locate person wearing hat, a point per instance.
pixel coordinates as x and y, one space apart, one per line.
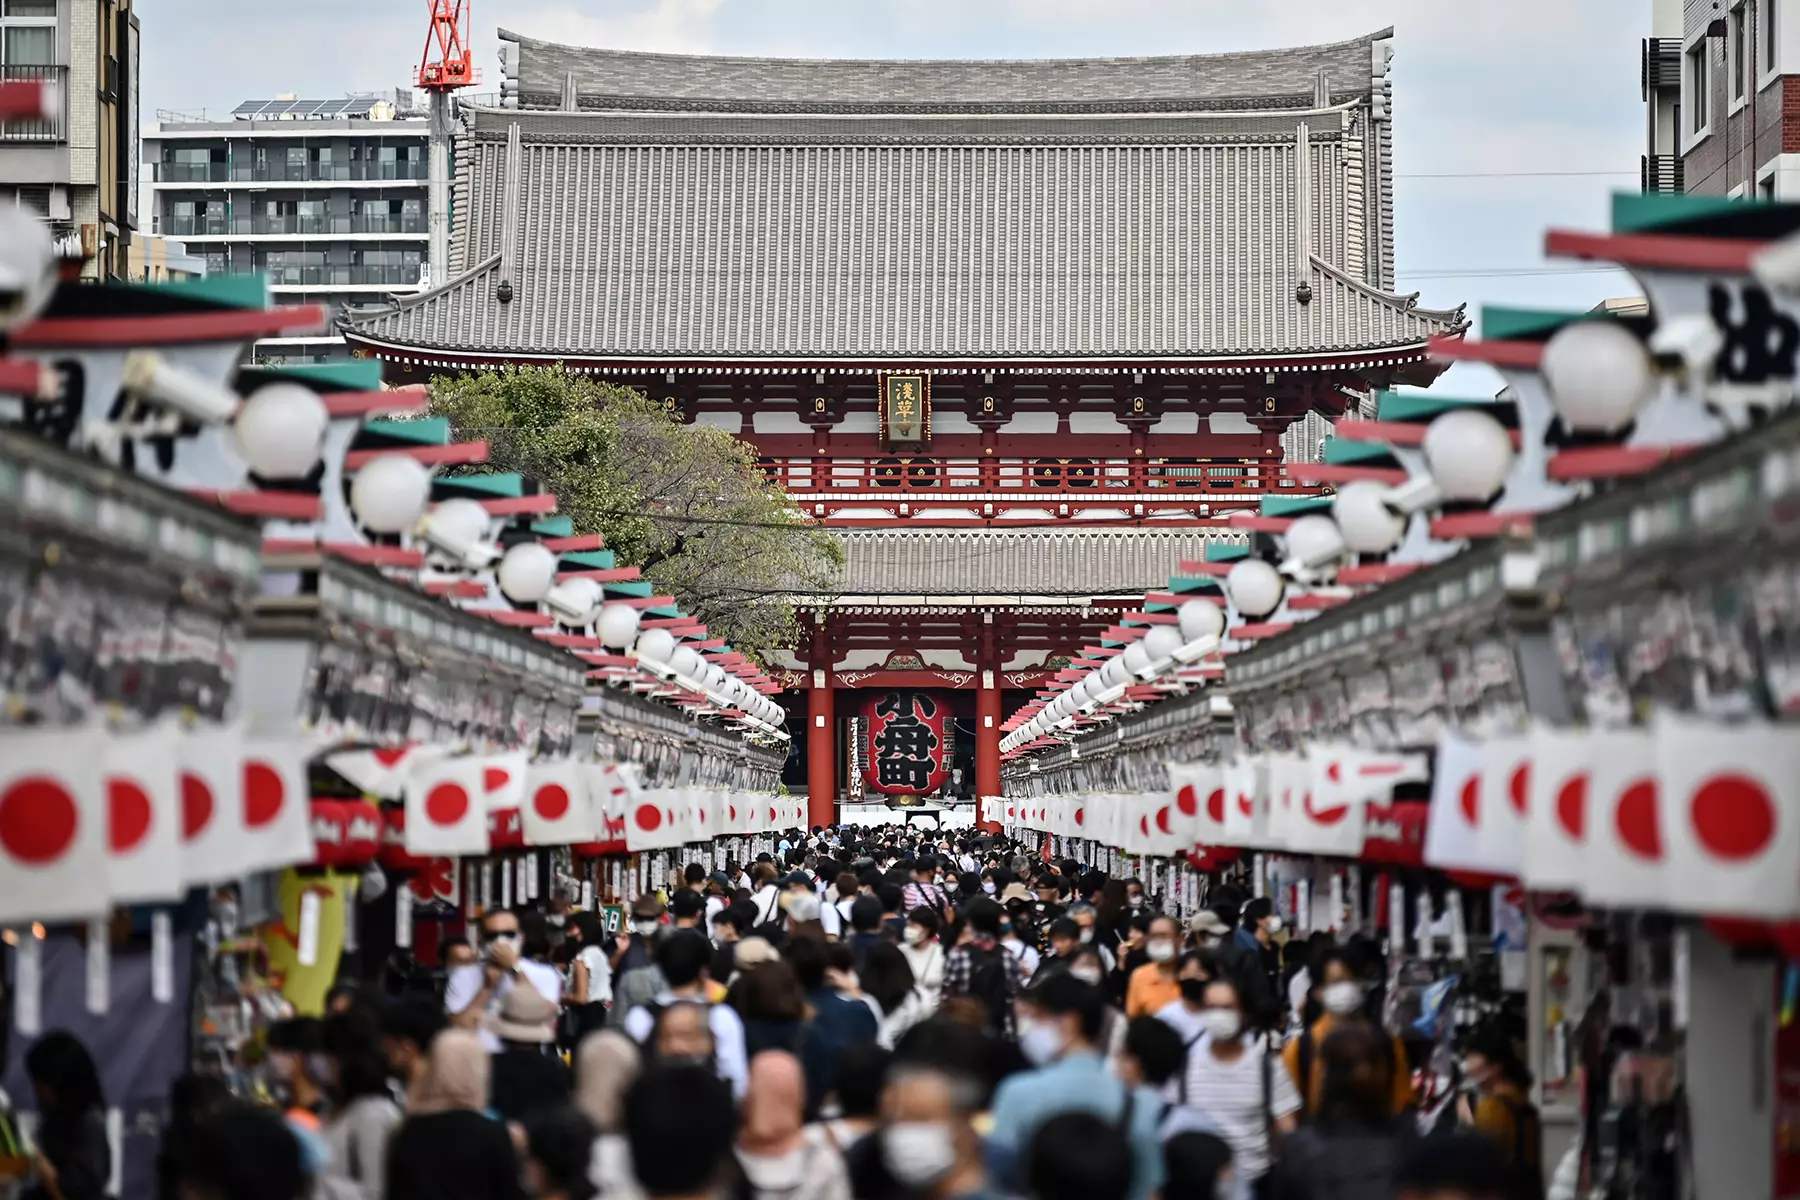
527 1076
1207 929
640 980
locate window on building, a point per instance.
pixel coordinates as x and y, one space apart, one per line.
28 33
1698 87
1765 188
1765 15
1739 51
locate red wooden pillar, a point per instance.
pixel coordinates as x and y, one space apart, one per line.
821 734
988 716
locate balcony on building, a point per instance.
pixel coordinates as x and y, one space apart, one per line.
1661 68
1661 173
53 129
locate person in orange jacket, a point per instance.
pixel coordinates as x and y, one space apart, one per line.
1341 997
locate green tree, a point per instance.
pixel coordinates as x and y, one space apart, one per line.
686 503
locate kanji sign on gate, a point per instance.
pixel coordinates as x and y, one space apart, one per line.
910 743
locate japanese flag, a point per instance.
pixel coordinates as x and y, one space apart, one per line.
1453 834
1626 865
143 797
1200 797
607 791
53 825
1504 802
1556 815
381 771
215 843
503 780
650 823
446 809
1246 785
1729 806
1326 811
1077 819
277 801
557 811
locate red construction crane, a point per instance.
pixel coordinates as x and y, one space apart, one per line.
449 31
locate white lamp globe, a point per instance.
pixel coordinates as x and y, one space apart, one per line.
527 572
1469 453
27 266
1081 692
458 521
1199 619
1314 541
685 662
390 493
1369 526
1136 658
656 646
1254 587
1599 375
1115 671
618 625
1161 642
280 430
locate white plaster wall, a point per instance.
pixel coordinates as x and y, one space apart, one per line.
778 422
1031 422
730 422
952 421
1096 422
1229 422
1178 422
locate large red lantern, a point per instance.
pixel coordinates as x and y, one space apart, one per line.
909 743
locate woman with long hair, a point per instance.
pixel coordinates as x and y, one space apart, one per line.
363 1112
772 1003
590 974
1354 1143
74 1157
886 977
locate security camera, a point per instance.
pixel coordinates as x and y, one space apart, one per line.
575 603
457 530
1694 338
149 377
1416 495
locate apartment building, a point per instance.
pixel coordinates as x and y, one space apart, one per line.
78 169
325 197
1736 115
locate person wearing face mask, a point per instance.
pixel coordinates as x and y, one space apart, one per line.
1253 961
927 1135
1500 1105
475 992
1154 986
1232 1079
781 1157
1187 1015
636 977
1340 995
1087 922
1060 1024
925 956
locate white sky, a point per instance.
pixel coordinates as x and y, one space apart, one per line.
1533 105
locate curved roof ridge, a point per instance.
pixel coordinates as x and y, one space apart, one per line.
418 298
1406 301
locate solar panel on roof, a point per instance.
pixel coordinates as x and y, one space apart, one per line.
248 107
360 106
334 107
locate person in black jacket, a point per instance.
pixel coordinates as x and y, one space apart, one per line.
74 1157
527 1074
448 1148
1353 1147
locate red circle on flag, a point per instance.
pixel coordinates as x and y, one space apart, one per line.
1215 806
128 814
1636 820
551 802
196 806
1571 806
1328 816
1733 817
1162 818
391 756
1187 801
1246 804
1081 816
1518 788
447 803
38 819
495 778
1470 799
263 794
648 817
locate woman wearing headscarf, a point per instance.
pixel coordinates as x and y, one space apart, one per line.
606 1065
448 1148
780 1156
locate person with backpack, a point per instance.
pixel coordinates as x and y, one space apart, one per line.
923 892
983 971
1352 1147
765 894
1340 996
685 958
837 1021
1234 1080
1501 1107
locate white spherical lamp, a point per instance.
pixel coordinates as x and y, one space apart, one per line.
656 646
618 625
527 572
1314 542
389 493
27 266
1115 672
1161 642
280 431
459 522
1254 587
1136 658
1599 375
685 662
1199 619
1469 454
1369 526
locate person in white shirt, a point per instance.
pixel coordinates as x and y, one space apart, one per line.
766 896
685 957
834 915
1187 1016
1235 1081
925 955
1019 947
473 992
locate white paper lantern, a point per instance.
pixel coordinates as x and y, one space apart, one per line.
1599 375
1115 672
618 625
389 493
457 525
1369 526
685 662
1136 659
1314 542
527 572
1161 642
280 430
656 646
1469 453
1254 587
1199 619
575 603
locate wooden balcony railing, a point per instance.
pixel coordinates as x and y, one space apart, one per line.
1021 479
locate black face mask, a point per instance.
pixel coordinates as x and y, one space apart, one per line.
1193 990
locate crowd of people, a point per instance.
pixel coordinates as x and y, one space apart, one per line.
876 1014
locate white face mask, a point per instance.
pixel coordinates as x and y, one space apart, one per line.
989 887
1341 998
916 935
1087 934
1040 1043
919 1153
1085 974
1222 1024
1274 926
1160 951
643 928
